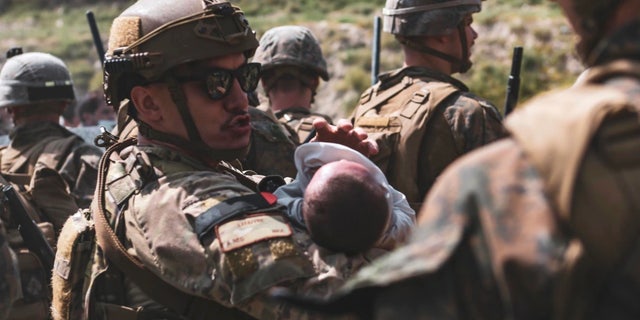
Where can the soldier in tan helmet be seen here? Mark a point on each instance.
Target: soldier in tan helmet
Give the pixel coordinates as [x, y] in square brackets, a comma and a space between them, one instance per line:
[544, 224]
[293, 66]
[422, 117]
[180, 234]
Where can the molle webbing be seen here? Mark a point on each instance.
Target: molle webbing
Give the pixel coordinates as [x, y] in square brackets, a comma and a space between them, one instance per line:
[152, 285]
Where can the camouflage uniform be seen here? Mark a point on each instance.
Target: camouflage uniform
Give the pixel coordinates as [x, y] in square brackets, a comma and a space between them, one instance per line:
[53, 170]
[10, 284]
[205, 264]
[538, 226]
[423, 119]
[429, 123]
[186, 218]
[272, 148]
[296, 50]
[77, 164]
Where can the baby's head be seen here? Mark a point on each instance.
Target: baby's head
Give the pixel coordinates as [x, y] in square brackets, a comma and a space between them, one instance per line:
[345, 208]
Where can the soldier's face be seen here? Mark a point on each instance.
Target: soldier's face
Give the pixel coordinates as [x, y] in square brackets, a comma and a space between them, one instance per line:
[222, 123]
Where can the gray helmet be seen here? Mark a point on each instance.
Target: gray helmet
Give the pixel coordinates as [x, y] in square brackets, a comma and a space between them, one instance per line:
[34, 77]
[153, 36]
[425, 17]
[291, 46]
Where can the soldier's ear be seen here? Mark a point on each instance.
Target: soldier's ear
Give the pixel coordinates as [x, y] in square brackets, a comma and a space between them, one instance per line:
[144, 100]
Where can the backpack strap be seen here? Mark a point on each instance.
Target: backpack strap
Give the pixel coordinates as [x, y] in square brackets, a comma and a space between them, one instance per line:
[152, 285]
[369, 101]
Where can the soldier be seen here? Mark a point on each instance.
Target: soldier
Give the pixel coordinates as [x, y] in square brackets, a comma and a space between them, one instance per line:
[10, 284]
[421, 117]
[93, 111]
[35, 88]
[180, 234]
[52, 169]
[292, 65]
[543, 225]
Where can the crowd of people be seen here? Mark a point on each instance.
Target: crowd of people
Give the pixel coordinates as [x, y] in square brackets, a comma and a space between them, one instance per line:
[198, 201]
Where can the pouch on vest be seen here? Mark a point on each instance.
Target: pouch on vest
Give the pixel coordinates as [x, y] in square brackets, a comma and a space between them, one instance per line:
[71, 266]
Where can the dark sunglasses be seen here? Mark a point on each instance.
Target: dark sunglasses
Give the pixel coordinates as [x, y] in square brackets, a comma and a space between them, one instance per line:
[218, 82]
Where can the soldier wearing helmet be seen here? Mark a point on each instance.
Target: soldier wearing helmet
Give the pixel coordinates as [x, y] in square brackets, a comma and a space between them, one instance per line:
[293, 65]
[421, 117]
[543, 224]
[181, 233]
[53, 169]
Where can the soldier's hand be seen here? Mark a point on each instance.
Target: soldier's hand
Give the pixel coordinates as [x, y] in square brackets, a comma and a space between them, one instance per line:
[345, 134]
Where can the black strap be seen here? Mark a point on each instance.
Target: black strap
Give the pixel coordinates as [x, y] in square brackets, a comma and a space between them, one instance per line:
[228, 209]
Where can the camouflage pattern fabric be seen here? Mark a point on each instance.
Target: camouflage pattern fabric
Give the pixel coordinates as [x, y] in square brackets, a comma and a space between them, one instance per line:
[300, 120]
[77, 166]
[492, 241]
[291, 46]
[9, 276]
[160, 232]
[272, 149]
[428, 140]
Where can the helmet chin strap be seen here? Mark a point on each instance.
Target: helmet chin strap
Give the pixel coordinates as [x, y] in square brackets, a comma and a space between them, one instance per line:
[458, 65]
[194, 144]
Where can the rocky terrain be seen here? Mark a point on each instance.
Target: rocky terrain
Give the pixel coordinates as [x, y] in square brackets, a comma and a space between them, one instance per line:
[345, 31]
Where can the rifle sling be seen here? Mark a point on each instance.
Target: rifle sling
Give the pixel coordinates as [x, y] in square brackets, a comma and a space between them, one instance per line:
[152, 285]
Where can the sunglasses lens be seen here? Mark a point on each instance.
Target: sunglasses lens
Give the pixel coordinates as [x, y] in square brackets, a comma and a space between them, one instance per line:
[249, 76]
[219, 83]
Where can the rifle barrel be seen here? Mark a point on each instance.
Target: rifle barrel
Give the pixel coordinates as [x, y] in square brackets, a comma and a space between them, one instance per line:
[375, 50]
[97, 40]
[513, 83]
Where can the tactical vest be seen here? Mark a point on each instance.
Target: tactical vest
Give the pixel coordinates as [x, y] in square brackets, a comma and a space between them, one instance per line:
[44, 196]
[592, 178]
[300, 120]
[89, 279]
[397, 118]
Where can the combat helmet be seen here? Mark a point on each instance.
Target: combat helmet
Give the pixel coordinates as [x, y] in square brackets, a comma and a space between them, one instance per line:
[412, 18]
[291, 46]
[34, 77]
[593, 15]
[152, 37]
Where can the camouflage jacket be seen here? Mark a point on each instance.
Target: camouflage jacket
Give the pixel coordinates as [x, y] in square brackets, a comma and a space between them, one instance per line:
[10, 278]
[422, 121]
[272, 148]
[538, 226]
[77, 164]
[179, 226]
[300, 120]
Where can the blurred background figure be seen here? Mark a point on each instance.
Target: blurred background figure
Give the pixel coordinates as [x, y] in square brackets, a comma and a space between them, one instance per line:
[292, 65]
[94, 111]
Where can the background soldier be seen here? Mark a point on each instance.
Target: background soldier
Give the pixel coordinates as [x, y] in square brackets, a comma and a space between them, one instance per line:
[292, 65]
[421, 117]
[53, 169]
[543, 225]
[190, 240]
[10, 284]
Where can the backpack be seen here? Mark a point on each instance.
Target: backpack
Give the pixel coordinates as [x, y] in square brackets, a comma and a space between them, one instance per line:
[592, 180]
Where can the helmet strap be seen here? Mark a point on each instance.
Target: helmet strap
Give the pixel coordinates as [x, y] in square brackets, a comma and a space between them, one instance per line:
[180, 100]
[436, 53]
[194, 144]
